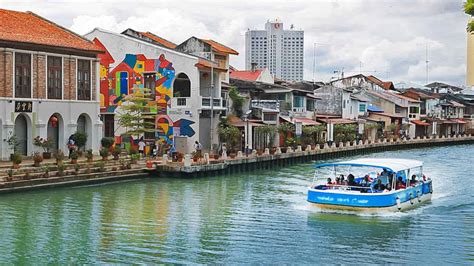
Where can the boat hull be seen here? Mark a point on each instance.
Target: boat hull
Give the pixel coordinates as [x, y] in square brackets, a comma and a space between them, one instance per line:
[400, 200]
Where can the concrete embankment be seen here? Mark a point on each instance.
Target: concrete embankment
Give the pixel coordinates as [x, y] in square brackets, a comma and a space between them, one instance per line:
[33, 178]
[270, 161]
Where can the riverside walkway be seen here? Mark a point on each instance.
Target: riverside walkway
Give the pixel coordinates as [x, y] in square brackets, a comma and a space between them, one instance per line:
[85, 173]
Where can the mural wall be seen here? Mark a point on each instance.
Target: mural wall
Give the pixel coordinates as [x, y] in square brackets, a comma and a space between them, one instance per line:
[135, 74]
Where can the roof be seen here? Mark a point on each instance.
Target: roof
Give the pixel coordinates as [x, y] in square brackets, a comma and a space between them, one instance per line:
[443, 85]
[391, 164]
[420, 123]
[159, 40]
[29, 28]
[251, 75]
[387, 85]
[389, 115]
[202, 63]
[387, 96]
[220, 47]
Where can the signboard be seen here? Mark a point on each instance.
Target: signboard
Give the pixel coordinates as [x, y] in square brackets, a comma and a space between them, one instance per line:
[23, 106]
[299, 128]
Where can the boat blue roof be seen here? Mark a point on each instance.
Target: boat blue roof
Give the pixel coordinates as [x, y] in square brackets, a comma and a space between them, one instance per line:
[374, 108]
[391, 164]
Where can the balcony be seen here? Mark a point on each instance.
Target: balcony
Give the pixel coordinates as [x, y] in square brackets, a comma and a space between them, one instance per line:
[299, 110]
[206, 103]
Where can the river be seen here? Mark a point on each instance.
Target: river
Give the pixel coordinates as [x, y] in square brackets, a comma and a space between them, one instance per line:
[259, 217]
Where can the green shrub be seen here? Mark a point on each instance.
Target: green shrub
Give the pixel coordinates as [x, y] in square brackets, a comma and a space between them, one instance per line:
[107, 142]
[16, 158]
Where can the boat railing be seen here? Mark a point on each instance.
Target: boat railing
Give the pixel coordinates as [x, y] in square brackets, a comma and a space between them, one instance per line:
[365, 189]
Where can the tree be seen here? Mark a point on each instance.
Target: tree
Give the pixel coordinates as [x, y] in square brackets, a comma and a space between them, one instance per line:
[284, 129]
[135, 115]
[344, 133]
[237, 101]
[469, 9]
[267, 134]
[228, 134]
[312, 134]
[80, 138]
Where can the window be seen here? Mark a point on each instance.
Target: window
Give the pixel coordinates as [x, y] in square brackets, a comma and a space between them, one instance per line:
[55, 79]
[361, 108]
[414, 109]
[150, 84]
[269, 117]
[398, 109]
[182, 86]
[298, 101]
[310, 105]
[22, 75]
[83, 80]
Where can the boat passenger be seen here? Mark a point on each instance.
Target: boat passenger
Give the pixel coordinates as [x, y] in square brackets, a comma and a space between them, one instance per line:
[338, 180]
[388, 188]
[379, 186]
[413, 181]
[366, 182]
[343, 181]
[400, 184]
[329, 183]
[351, 180]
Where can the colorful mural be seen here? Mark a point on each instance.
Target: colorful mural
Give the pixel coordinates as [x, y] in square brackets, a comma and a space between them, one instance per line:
[135, 74]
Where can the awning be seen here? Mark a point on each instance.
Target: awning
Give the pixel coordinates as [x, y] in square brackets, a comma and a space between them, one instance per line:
[420, 123]
[312, 96]
[459, 121]
[374, 108]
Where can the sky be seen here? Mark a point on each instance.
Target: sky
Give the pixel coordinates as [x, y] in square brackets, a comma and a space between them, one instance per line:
[391, 39]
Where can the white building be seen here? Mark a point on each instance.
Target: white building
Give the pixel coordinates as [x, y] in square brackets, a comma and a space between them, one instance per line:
[279, 50]
[49, 84]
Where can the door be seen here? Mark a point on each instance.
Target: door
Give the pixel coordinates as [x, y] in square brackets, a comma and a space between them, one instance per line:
[21, 133]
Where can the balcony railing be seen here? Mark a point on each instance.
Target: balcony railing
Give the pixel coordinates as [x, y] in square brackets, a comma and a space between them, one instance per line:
[206, 103]
[179, 102]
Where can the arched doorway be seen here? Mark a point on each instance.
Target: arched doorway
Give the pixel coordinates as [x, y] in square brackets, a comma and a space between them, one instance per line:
[21, 133]
[84, 125]
[55, 131]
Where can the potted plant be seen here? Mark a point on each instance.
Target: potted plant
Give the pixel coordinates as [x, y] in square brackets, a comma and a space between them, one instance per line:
[104, 152]
[89, 155]
[216, 156]
[107, 142]
[37, 159]
[134, 158]
[16, 160]
[232, 155]
[116, 151]
[101, 166]
[10, 174]
[88, 169]
[59, 156]
[45, 144]
[61, 168]
[80, 139]
[46, 171]
[77, 167]
[74, 156]
[27, 175]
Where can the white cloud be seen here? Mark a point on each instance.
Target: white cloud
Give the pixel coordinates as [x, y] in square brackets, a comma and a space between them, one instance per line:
[387, 36]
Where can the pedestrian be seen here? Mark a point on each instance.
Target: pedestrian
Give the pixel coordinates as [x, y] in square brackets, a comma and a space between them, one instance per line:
[141, 147]
[198, 148]
[71, 145]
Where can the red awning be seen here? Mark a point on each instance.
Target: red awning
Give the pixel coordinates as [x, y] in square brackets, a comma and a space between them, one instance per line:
[459, 121]
[420, 123]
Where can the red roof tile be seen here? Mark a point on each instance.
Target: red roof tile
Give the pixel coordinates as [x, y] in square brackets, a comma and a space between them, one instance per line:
[207, 65]
[246, 74]
[220, 47]
[159, 40]
[388, 85]
[27, 27]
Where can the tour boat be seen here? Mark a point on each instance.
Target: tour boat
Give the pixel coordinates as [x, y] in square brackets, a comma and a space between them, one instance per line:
[370, 185]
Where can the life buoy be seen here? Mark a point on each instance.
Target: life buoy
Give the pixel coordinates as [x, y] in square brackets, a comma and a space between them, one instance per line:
[399, 204]
[418, 196]
[411, 198]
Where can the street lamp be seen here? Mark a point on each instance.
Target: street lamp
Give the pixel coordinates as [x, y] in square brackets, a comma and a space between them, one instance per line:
[246, 119]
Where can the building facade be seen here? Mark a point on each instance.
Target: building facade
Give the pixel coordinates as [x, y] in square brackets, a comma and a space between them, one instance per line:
[48, 84]
[279, 50]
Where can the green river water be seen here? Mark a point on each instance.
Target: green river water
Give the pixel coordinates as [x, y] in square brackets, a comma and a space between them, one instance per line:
[258, 217]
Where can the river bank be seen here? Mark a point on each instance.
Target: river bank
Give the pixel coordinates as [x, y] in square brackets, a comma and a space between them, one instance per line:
[84, 173]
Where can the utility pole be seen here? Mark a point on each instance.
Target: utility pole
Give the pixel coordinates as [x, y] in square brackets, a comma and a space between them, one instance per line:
[426, 61]
[212, 103]
[314, 61]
